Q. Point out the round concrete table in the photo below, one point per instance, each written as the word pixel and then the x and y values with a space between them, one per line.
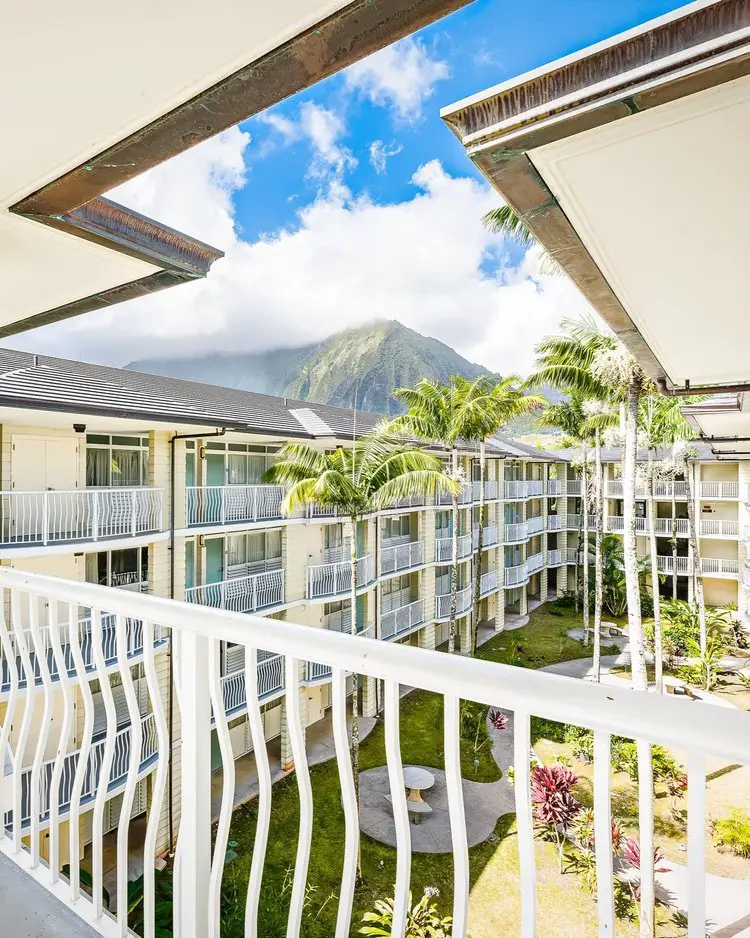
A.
pixel 417 780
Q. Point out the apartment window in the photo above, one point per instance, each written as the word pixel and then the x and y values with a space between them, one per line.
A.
pixel 513 471
pixel 247 463
pixel 513 556
pixel 443 580
pixel 126 568
pixel 116 460
pixel 255 552
pixel 395 593
pixel 443 524
pixel 397 528
pixel 337 616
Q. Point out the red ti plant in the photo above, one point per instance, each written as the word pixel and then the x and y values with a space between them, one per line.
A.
pixel 554 805
pixel 631 856
pixel 498 720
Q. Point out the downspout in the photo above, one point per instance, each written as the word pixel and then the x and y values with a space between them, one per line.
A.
pixel 172 493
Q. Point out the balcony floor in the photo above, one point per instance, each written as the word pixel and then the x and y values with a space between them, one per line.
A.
pixel 27 910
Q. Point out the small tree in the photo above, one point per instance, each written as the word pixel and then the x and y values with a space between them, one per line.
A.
pixel 553 804
pixel 423 920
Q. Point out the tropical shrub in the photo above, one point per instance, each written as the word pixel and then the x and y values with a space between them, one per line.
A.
pixel 423 921
pixel 554 806
pixel 707 665
pixel 631 858
pixel 582 741
pixel 625 759
pixel 732 832
pixel 163 904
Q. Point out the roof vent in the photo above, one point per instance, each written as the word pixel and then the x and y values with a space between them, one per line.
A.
pixel 311 422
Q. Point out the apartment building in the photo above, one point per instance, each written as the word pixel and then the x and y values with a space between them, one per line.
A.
pixel 144 483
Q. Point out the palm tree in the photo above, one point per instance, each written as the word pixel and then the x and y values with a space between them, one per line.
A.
pixel 686 456
pixel 506 221
pixel 374 472
pixel 484 406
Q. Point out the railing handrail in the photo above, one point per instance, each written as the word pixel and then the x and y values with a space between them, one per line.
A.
pixel 718 731
pixel 82 491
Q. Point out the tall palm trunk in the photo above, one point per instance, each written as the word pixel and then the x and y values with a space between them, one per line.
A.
pixel 598 572
pixel 577 569
pixel 454 559
pixel 654 571
pixel 638 656
pixel 674 526
pixel 355 677
pixel 480 544
pixel 697 572
pixel 585 526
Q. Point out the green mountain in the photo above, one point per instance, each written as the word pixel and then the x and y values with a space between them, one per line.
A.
pixel 357 367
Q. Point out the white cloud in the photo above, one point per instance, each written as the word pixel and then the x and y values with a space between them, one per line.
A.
pixel 401 76
pixel 380 153
pixel 427 262
pixel 323 129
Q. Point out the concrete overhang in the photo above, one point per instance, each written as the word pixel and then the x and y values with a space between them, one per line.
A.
pixel 95 94
pixel 628 161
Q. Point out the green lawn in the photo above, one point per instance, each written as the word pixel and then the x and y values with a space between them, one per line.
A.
pixel 564 908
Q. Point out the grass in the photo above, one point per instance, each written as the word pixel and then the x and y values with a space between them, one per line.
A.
pixel 564 908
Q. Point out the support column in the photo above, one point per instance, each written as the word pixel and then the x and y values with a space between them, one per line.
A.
pixel 464 632
pixel 500 611
pixel 369 697
pixel 427 637
pixel 287 759
pixel 543 584
pixel 523 605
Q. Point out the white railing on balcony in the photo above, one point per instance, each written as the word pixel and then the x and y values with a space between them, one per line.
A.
pixel 411 501
pixel 720 489
pixel 317 672
pixel 37 800
pixel 335 579
pixel 401 556
pixel 666 564
pixel 23 651
pixel 613 489
pixel 490 536
pixel 443 603
pixel 664 489
pixel 534 562
pixel 465 496
pixel 535 525
pixel 315 511
pixel 715 566
pixel 534 488
pixel 224 504
pixel 570 555
pixel 556 487
pixel 696 730
pixel 514 533
pixel 241 594
pixel 718 528
pixel 270 671
pixel 553 522
pixel 514 488
pixel 93 514
pixel 444 548
pixel 401 620
pixel 663 526
pixel 554 557
pixel 488 583
pixel 490 490
pixel 514 576
pixel 573 487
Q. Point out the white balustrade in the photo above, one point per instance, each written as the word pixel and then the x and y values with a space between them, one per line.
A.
pixel 488 583
pixel 517 532
pixel 224 504
pixel 465 496
pixel 514 489
pixel 55 517
pixel 534 488
pixel 570 555
pixel 719 528
pixel 241 594
pixel 516 575
pixel 715 566
pixel 444 548
pixel 490 536
pixel 317 672
pixel 443 603
pixel 553 522
pixel 664 489
pixel 663 526
pixel 401 620
pixel 719 489
pixel 556 487
pixel 490 490
pixel 401 556
pixel 124 754
pixel 534 562
pixel 535 525
pixel 270 676
pixel 573 487
pixel 572 522
pixel 335 579
pixel 554 557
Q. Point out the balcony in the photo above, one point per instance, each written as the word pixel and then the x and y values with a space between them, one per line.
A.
pixel 34 652
pixel 232 504
pixel 572 487
pixel 718 528
pixel 665 489
pixel 251 593
pixel 490 536
pixel 32 519
pixel 270 676
pixel 694 728
pixel 535 525
pixel 465 496
pixel 554 557
pixel 663 526
pixel 516 533
pixel 720 490
pixel 402 620
pixel 444 548
pixel 328 580
pixel 443 603
pixel 341 621
pixel 715 566
pixel 554 522
pixel 489 583
pixel 556 487
pixel 403 556
pixel 534 562
pixel 519 488
pixel 516 576
pixel 490 490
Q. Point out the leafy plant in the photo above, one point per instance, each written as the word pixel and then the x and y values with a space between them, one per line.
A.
pixel 708 661
pixel 582 741
pixel 625 759
pixel 423 920
pixel 87 882
pixel 631 857
pixel 163 904
pixel 554 806
pixel 733 832
pixel 474 726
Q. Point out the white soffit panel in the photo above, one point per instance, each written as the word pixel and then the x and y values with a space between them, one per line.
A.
pixel 661 201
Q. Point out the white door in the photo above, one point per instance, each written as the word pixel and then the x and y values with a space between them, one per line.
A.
pixel 43 465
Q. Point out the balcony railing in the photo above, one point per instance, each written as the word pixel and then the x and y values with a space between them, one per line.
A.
pixel 556 487
pixel 444 548
pixel 490 536
pixel 241 594
pixel 401 620
pixel 401 556
pixel 718 528
pixel 694 729
pixel 488 583
pixel 715 566
pixel 443 603
pixel 554 557
pixel 34 518
pixel 664 489
pixel 553 522
pixel 465 496
pixel 523 488
pixel 490 490
pixel 572 487
pixel 720 489
pixel 517 532
pixel 534 562
pixel 335 579
pixel 39 656
pixel 270 676
pixel 515 576
pixel 663 526
pixel 535 525
pixel 224 504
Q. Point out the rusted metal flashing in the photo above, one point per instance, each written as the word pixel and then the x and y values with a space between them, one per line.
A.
pixel 348 35
pixel 533 113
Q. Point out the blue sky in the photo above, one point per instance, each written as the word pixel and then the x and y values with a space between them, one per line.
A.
pixel 352 201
